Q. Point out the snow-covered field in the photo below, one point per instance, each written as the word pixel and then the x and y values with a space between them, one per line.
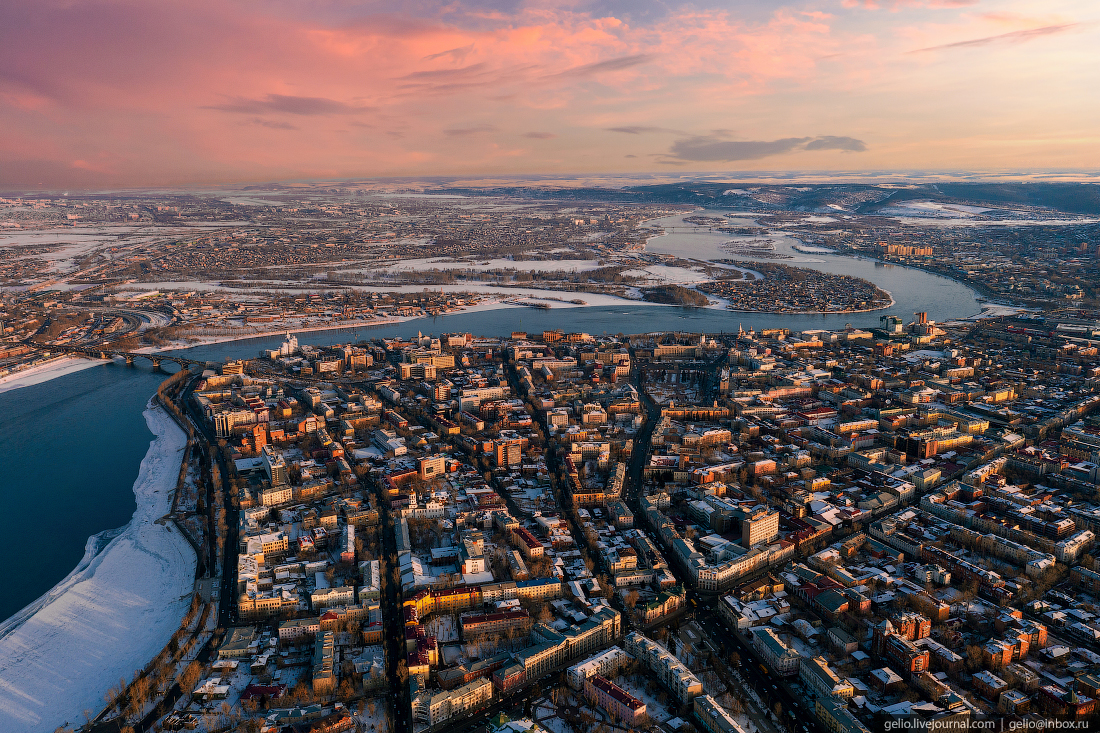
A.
pixel 497 263
pixel 992 310
pixel 45 372
pixel 111 615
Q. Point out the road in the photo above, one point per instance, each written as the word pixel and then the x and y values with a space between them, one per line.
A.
pixel 393 621
pixel 556 470
pixel 207 443
pixel 766 686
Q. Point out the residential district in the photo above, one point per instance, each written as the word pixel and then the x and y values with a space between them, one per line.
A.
pixel 760 531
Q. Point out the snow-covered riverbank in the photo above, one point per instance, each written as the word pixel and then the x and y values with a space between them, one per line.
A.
pixel 45 372
pixel 111 615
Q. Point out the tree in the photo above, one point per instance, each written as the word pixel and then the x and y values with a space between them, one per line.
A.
pixel 974 658
pixel 909 694
pixel 190 677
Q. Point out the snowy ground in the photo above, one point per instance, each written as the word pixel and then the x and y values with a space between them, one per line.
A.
pixel 45 372
pixel 992 310
pixel 497 263
pixel 110 616
pixel 373 722
pixel 657 712
pixel 444 628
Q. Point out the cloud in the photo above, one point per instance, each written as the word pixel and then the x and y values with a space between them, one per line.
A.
pixel 599 67
pixel 829 142
pixel 899 4
pixel 463 78
pixel 467 131
pixel 137 82
pixel 709 149
pixel 1012 37
pixel 458 54
pixel 540 135
pixel 30 173
pixel 640 129
pixel 287 104
pixel 274 124
pixel 462 72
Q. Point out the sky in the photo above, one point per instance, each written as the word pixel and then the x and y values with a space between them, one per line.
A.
pixel 108 93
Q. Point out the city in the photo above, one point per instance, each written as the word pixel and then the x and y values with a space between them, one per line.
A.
pixel 549 366
pixel 778 531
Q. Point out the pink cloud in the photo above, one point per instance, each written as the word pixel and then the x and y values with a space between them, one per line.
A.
pixel 202 90
pixel 899 4
pixel 1002 38
pixel 216 85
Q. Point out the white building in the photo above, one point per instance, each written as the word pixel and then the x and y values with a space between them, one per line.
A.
pixel 606 664
pixel 780 657
pixel 669 670
pixel 816 674
pixel 433 709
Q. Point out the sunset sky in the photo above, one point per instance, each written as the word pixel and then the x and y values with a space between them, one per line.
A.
pixel 152 92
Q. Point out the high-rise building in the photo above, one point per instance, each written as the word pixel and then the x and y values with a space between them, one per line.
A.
pixel 760 526
pixel 274 466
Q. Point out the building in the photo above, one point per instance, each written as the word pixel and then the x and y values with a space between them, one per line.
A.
pixel 606 663
pixel 669 670
pixel 538 589
pixel 666 602
pixel 713 717
pixel 239 644
pixel 989 685
pixel 835 717
pixel 276 494
pixel 274 466
pixel 553 649
pixel 1053 700
pixel 780 657
pixel 430 467
pixel 528 544
pixel 905 655
pixel 620 705
pixel 299 629
pixel 434 709
pixel 504 622
pixel 324 673
pixel 817 675
pixel 912 626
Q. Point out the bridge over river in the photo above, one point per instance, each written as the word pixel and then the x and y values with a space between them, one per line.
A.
pixel 101 352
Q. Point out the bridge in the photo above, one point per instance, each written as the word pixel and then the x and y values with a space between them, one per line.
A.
pixel 106 353
pixel 94 352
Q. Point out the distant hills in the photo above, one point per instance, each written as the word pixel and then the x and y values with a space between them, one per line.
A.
pixel 1070 198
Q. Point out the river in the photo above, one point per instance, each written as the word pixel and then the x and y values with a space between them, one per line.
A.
pixel 913 290
pixel 71 447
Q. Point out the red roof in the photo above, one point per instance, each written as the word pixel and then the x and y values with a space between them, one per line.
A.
pixel 616 693
pixel 272 691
